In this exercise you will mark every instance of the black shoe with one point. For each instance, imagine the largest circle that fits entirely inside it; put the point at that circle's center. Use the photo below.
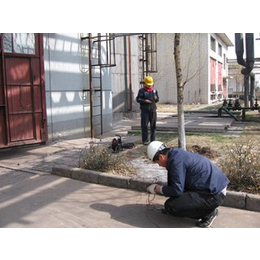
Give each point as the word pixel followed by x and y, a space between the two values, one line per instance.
pixel 208 220
pixel 164 211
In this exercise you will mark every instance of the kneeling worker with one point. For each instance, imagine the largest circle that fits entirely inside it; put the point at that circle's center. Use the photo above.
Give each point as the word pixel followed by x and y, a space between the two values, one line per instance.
pixel 196 186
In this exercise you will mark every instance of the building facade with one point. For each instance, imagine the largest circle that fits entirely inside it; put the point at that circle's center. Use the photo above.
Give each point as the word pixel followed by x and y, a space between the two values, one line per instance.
pixel 236 81
pixel 204 67
pixel 63 86
pixel 73 85
pixel 78 106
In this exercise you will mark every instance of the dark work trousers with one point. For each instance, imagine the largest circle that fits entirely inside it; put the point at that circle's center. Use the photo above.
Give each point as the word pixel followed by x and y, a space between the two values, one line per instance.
pixel 193 204
pixel 146 118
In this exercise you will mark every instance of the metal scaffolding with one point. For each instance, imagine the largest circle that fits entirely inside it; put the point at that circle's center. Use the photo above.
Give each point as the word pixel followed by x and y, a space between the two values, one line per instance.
pixel 101 54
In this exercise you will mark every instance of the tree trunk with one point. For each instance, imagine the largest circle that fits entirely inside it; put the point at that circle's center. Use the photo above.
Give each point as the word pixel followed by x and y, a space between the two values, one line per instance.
pixel 180 89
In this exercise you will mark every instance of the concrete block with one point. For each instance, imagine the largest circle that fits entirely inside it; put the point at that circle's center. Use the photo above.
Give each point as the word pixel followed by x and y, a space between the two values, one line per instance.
pixel 85 175
pixel 114 180
pixel 140 184
pixel 253 202
pixel 235 200
pixel 63 171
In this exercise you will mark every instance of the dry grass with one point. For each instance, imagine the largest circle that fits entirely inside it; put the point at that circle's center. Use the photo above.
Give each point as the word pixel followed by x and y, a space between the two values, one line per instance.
pixel 242 166
pixel 100 158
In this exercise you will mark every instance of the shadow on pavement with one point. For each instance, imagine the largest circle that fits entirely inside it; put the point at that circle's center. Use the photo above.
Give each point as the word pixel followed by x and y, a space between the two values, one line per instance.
pixel 24 194
pixel 140 215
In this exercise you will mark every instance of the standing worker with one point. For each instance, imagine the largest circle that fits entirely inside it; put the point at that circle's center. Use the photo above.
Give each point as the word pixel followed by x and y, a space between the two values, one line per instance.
pixel 196 186
pixel 147 97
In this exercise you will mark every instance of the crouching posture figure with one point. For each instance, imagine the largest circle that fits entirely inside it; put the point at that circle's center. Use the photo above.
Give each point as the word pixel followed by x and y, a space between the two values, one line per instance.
pixel 196 186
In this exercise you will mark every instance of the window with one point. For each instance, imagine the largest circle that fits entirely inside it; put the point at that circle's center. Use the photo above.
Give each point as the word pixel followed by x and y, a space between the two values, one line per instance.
pixel 212 44
pixel 220 50
pixel 19 43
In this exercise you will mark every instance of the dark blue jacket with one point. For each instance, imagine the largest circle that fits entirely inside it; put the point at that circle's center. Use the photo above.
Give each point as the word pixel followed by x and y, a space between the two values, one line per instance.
pixel 192 172
pixel 142 95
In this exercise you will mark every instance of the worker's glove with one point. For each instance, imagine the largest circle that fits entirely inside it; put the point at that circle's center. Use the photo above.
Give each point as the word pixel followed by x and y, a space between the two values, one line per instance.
pixel 151 189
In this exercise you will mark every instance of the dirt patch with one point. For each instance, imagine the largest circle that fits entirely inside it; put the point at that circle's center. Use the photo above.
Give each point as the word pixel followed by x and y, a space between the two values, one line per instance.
pixel 206 151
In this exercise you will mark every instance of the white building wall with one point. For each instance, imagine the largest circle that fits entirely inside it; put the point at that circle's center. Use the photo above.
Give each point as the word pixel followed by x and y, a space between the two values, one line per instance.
pixel 123 100
pixel 223 58
pixel 165 78
pixel 136 72
pixel 236 82
pixel 194 53
pixel 67 84
pixel 195 60
pixel 65 80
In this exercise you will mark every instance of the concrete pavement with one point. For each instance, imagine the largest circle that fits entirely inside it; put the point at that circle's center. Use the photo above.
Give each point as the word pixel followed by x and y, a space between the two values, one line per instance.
pixel 48 201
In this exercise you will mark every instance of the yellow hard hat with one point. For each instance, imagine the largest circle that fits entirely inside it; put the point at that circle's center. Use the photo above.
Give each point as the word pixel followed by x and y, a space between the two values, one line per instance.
pixel 148 80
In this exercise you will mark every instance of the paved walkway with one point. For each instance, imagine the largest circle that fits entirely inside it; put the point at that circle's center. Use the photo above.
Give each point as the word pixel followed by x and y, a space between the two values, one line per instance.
pixel 41 201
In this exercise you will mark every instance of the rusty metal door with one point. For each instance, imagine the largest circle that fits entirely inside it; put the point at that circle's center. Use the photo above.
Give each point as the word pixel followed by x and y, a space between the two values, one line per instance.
pixel 22 90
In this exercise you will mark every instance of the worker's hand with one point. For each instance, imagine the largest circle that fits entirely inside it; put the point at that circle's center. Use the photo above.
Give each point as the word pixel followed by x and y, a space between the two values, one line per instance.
pixel 151 189
pixel 147 101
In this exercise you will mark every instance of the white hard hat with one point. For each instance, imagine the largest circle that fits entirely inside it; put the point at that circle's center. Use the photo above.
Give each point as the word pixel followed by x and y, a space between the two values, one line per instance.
pixel 153 148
